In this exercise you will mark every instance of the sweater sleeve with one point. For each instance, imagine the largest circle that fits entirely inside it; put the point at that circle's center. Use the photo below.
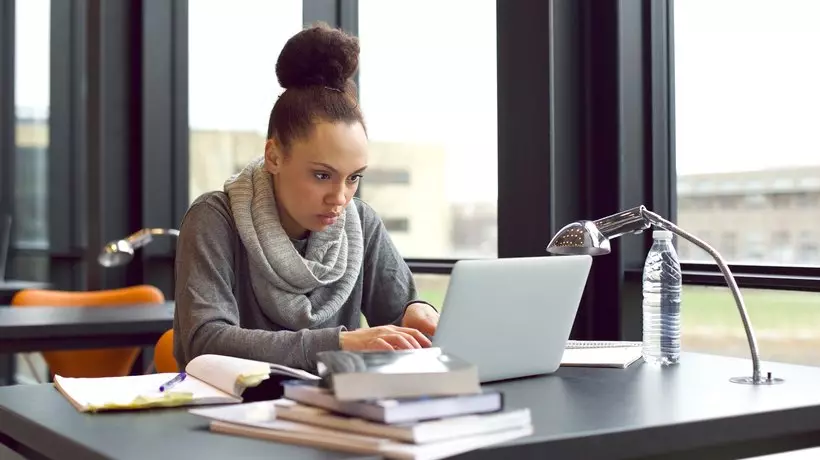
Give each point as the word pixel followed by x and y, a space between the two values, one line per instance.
pixel 388 285
pixel 207 318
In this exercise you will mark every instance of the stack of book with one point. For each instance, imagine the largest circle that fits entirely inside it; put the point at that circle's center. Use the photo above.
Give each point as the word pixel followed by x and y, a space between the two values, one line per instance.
pixel 417 404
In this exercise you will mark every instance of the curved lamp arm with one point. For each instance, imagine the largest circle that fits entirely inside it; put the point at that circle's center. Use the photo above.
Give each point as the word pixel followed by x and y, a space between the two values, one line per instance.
pixel 592 237
pixel 120 252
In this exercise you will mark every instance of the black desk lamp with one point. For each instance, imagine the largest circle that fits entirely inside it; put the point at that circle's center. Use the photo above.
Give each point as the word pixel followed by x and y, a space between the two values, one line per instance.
pixel 120 252
pixel 592 238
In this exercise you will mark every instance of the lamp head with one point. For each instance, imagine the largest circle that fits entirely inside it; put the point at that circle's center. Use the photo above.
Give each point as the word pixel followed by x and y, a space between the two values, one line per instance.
pixel 116 253
pixel 577 238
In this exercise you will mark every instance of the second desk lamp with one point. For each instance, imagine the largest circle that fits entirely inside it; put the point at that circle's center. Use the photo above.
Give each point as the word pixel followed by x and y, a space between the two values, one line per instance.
pixel 120 252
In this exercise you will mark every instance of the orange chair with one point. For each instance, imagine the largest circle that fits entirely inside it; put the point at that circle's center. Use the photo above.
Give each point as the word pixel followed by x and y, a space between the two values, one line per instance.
pixel 108 362
pixel 164 360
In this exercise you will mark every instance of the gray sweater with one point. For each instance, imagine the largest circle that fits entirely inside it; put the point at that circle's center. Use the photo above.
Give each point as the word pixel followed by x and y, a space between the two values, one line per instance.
pixel 218 313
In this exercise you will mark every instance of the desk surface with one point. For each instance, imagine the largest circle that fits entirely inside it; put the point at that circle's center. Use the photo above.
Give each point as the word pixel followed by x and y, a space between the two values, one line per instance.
pixel 691 410
pixel 44 328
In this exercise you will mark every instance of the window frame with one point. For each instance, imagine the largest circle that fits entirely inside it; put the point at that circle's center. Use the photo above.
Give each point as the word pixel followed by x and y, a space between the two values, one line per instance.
pixel 559 160
pixel 7 112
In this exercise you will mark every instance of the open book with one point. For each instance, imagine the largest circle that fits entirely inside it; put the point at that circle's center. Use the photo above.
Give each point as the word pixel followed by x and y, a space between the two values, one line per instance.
pixel 209 379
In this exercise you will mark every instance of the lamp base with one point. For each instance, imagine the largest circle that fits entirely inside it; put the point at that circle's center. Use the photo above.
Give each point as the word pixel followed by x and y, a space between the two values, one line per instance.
pixel 751 381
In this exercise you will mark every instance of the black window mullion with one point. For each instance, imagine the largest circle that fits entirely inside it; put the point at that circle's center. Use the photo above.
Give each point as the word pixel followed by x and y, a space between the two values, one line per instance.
pixel 67 179
pixel 7 114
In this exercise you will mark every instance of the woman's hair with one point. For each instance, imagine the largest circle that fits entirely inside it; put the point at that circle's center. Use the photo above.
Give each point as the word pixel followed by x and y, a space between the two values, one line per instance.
pixel 315 69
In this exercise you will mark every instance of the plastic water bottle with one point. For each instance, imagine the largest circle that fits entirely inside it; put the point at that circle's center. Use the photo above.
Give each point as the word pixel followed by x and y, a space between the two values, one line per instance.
pixel 661 302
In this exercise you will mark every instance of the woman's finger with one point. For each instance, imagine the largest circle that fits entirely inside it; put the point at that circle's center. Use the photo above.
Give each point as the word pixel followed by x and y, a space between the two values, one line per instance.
pixel 420 338
pixel 379 344
pixel 412 339
pixel 398 341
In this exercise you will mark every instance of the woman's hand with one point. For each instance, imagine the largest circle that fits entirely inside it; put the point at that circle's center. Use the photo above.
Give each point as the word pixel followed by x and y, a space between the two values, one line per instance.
pixel 422 317
pixel 383 338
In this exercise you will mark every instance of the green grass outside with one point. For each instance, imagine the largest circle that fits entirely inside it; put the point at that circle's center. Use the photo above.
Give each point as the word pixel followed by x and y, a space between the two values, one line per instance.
pixel 771 311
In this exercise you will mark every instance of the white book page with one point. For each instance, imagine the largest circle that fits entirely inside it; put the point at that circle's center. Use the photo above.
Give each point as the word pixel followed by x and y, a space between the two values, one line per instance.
pixel 136 390
pixel 298 373
pixel 228 373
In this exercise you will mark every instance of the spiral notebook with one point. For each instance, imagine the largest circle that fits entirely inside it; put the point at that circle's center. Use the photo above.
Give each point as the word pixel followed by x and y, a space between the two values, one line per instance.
pixel 616 354
pixel 572 344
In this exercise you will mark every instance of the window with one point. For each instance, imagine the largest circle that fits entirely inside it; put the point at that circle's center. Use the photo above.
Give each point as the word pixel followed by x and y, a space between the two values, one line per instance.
pixel 430 103
pixel 31 108
pixel 781 246
pixel 745 110
pixel 785 323
pixel 432 288
pixel 396 224
pixel 728 244
pixel 233 47
pixel 386 176
pixel 745 101
pixel 808 248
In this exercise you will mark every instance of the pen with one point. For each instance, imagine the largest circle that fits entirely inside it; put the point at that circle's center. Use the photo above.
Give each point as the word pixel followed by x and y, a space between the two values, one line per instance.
pixel 167 385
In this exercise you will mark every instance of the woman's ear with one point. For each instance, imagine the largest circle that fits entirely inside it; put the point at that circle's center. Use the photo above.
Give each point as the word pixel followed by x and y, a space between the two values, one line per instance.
pixel 274 156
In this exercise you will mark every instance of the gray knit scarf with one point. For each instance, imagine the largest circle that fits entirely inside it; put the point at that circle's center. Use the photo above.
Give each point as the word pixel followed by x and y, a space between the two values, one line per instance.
pixel 295 292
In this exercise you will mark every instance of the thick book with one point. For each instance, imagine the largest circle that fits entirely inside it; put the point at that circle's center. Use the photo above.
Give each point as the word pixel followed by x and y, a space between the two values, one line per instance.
pixel 368 375
pixel 422 432
pixel 262 420
pixel 395 410
pixel 208 379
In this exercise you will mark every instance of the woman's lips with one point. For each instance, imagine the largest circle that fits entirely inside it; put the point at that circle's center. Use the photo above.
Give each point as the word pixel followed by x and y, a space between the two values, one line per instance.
pixel 328 219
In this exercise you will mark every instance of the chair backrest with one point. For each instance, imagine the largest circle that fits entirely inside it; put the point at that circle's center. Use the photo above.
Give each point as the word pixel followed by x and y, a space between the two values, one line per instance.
pixel 109 362
pixel 164 360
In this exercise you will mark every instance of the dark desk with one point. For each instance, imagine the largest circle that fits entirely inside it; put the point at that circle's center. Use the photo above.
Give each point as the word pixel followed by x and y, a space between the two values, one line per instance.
pixel 691 411
pixel 29 329
pixel 62 328
pixel 7 290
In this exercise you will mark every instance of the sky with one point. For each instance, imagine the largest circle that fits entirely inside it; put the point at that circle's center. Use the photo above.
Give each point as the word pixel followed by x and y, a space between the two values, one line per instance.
pixel 747 84
pixel 746 78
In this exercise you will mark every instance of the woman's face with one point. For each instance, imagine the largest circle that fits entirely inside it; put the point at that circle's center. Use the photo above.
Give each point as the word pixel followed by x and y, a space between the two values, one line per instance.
pixel 318 176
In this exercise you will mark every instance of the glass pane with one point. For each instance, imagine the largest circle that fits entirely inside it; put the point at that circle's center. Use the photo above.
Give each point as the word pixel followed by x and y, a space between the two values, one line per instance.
pixel 785 323
pixel 31 107
pixel 748 158
pixel 431 288
pixel 232 52
pixel 429 99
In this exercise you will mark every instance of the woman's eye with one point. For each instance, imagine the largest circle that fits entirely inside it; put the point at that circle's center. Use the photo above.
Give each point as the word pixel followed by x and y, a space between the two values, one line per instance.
pixel 322 176
pixel 355 177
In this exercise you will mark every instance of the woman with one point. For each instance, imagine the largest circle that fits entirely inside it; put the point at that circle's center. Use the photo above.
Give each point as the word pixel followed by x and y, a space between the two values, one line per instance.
pixel 279 265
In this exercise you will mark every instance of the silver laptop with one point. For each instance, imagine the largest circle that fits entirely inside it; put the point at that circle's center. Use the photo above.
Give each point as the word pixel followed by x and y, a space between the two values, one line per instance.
pixel 512 317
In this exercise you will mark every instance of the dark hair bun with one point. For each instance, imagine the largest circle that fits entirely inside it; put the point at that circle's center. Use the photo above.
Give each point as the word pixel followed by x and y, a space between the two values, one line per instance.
pixel 318 56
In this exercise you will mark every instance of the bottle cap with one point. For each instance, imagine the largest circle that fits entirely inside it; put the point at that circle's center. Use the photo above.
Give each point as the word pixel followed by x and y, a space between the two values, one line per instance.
pixel 662 235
